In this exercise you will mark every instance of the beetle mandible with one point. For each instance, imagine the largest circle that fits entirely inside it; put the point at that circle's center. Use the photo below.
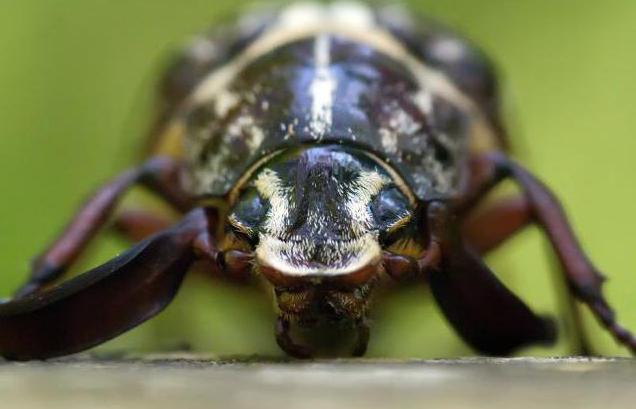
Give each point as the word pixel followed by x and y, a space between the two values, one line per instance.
pixel 324 149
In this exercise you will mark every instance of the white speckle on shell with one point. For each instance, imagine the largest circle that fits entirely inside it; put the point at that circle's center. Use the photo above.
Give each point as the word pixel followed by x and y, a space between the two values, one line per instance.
pixel 245 127
pixel 351 13
pixel 389 140
pixel 202 49
pixel 224 102
pixel 449 49
pixel 423 99
pixel 403 123
pixel 355 14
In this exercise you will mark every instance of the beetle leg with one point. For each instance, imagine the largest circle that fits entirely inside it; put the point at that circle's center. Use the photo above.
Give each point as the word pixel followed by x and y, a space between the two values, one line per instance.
pixel 484 230
pixel 233 265
pixel 482 310
pixel 158 174
pixel 487 229
pixel 104 302
pixel 283 339
pixel 584 280
pixel 137 225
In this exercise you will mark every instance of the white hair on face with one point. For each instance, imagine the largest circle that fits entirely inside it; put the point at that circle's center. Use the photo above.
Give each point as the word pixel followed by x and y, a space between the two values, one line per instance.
pixel 289 255
pixel 366 186
pixel 274 253
pixel 270 187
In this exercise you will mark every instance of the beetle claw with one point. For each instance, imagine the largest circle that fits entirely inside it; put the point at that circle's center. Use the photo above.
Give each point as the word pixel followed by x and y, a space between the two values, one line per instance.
pixel 399 267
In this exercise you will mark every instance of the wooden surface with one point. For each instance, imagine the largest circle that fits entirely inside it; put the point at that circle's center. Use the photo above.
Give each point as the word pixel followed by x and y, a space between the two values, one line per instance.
pixel 196 382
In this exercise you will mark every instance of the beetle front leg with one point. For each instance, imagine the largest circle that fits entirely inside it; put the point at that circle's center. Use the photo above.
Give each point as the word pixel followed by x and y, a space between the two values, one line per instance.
pixel 104 302
pixel 158 174
pixel 482 310
pixel 584 280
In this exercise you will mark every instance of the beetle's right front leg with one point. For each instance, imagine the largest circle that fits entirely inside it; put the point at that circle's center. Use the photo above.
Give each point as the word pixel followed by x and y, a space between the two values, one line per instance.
pixel 158 174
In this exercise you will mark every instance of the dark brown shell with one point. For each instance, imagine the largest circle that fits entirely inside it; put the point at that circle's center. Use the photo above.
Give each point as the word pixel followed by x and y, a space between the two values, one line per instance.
pixel 377 105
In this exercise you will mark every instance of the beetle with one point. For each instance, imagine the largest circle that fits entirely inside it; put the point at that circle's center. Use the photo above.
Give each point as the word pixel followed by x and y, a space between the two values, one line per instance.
pixel 324 149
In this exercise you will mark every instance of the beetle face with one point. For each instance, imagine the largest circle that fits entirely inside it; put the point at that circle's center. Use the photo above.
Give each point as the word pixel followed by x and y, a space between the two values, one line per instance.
pixel 320 214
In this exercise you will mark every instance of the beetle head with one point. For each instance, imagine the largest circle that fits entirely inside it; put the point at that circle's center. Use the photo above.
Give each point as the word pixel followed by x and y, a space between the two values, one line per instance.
pixel 320 214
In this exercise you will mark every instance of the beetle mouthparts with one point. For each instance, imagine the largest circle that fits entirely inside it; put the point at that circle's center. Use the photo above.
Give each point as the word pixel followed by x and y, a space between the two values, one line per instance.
pixel 348 261
pixel 353 278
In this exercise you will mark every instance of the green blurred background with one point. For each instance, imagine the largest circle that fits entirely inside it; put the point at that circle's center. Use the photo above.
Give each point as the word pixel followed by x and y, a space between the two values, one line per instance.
pixel 76 87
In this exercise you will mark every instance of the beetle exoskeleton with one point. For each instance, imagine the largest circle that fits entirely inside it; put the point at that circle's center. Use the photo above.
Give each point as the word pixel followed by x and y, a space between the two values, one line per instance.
pixel 322 148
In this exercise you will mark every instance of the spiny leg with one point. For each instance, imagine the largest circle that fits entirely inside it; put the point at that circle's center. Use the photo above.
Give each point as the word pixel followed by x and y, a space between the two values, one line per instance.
pixel 483 230
pixel 490 226
pixel 482 310
pixel 104 302
pixel 584 280
pixel 158 174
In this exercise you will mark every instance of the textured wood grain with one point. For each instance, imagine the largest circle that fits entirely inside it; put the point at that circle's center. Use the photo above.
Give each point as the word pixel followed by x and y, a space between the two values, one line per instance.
pixel 199 382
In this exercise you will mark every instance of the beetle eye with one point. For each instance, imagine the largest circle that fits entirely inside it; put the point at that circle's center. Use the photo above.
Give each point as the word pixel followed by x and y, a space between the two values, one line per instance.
pixel 390 209
pixel 247 214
